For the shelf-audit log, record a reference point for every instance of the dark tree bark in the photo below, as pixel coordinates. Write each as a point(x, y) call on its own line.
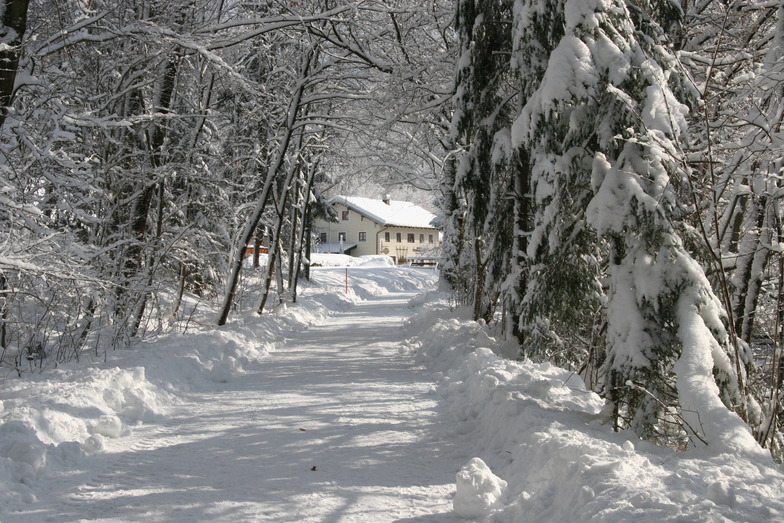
point(3, 311)
point(14, 26)
point(287, 133)
point(257, 246)
point(155, 137)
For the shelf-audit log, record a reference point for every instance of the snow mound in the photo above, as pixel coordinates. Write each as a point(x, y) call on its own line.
point(540, 429)
point(333, 260)
point(478, 490)
point(345, 260)
point(374, 278)
point(378, 260)
point(50, 421)
point(24, 457)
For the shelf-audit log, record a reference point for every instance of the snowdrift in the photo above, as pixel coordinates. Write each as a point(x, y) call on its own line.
point(533, 435)
point(542, 453)
point(49, 421)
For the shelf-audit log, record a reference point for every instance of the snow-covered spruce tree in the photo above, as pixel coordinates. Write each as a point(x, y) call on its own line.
point(604, 129)
point(556, 132)
point(481, 210)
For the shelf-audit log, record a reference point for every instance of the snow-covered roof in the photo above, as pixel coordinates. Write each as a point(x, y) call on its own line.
point(396, 212)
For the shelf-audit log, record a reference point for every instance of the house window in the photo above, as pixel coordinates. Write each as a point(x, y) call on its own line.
point(399, 237)
point(421, 238)
point(429, 238)
point(345, 216)
point(323, 237)
point(411, 237)
point(386, 237)
point(341, 236)
point(363, 236)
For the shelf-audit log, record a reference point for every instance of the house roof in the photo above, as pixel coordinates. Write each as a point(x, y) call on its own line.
point(396, 212)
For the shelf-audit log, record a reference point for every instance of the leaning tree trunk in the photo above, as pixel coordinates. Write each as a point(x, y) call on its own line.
point(275, 247)
point(275, 243)
point(303, 245)
point(294, 219)
point(304, 235)
point(235, 264)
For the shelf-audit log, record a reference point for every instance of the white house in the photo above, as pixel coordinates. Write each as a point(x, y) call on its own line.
point(367, 226)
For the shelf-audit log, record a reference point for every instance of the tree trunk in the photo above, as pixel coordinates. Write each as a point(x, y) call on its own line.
point(303, 244)
point(279, 274)
point(304, 235)
point(257, 246)
point(156, 138)
point(275, 242)
point(3, 311)
point(752, 261)
point(180, 292)
point(522, 202)
point(235, 265)
point(272, 257)
point(294, 219)
point(14, 26)
point(479, 282)
point(308, 235)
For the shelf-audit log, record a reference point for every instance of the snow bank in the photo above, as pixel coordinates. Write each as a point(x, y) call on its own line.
point(373, 278)
point(318, 259)
point(543, 454)
point(333, 260)
point(536, 448)
point(344, 260)
point(49, 421)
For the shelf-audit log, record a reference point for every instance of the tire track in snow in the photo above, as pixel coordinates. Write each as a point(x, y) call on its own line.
point(371, 423)
point(100, 473)
point(121, 473)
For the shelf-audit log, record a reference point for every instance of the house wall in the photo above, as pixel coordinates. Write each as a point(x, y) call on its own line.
point(375, 235)
point(403, 249)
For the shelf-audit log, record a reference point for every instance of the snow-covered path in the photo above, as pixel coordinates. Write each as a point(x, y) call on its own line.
point(267, 420)
point(334, 427)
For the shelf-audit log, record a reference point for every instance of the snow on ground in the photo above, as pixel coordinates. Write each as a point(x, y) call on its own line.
point(541, 453)
point(227, 423)
point(335, 409)
point(344, 260)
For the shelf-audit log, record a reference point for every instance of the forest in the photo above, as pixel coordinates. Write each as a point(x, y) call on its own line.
point(607, 172)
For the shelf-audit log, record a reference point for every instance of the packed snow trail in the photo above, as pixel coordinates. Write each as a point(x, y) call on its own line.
point(265, 420)
point(334, 427)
